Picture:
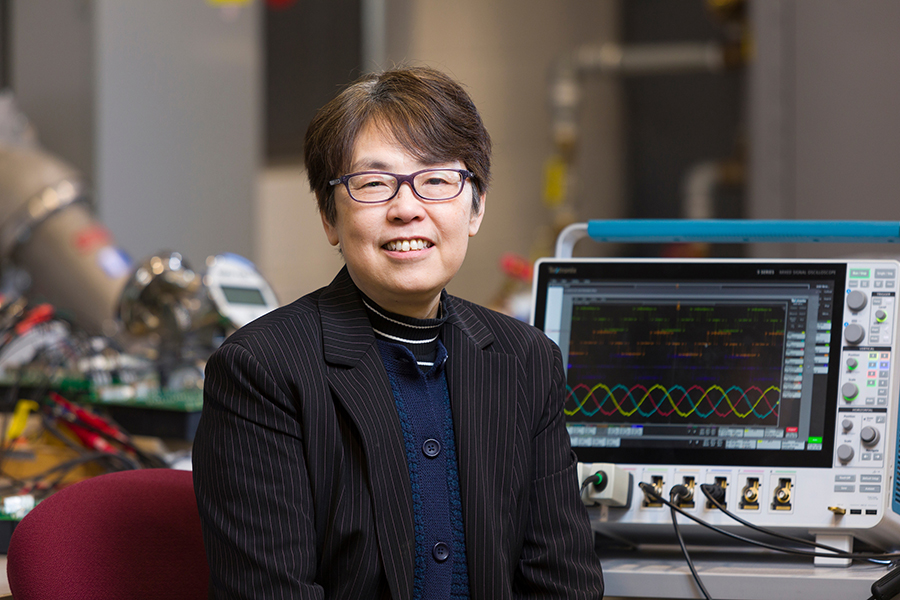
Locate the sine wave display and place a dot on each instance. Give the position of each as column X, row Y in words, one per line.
column 678, row 362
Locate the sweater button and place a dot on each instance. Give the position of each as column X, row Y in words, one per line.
column 431, row 448
column 441, row 552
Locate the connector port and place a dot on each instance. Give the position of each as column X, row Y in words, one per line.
column 750, row 495
column 781, row 497
column 658, row 483
column 718, row 492
column 687, row 500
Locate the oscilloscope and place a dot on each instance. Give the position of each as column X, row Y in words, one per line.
column 775, row 379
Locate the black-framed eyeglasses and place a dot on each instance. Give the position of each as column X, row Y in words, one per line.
column 431, row 185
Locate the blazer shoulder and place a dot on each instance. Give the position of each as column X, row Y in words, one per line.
column 510, row 334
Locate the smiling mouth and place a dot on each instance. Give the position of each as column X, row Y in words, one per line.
column 407, row 245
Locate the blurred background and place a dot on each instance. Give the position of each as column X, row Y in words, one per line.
column 187, row 117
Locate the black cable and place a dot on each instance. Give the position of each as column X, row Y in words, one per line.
column 650, row 491
column 680, row 491
column 790, row 538
column 75, row 462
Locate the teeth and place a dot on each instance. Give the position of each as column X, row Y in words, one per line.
column 406, row 245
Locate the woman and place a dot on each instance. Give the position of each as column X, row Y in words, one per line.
column 379, row 438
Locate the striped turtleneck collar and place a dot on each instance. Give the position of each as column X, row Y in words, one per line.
column 420, row 336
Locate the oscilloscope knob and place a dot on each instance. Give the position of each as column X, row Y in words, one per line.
column 849, row 391
column 854, row 334
column 856, row 300
column 845, row 453
column 869, row 436
column 846, row 425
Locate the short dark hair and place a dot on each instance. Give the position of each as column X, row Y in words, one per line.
column 426, row 111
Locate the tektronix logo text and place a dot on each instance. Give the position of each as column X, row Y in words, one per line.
column 562, row 270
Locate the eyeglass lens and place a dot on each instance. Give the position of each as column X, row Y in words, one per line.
column 430, row 185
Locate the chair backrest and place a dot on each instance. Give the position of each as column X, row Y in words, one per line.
column 130, row 534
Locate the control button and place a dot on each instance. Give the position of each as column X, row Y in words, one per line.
column 440, row 552
column 870, row 489
column 846, row 424
column 852, row 363
column 880, row 316
column 889, row 284
column 880, row 419
column 868, row 478
column 869, row 435
column 845, row 453
column 431, row 448
column 878, row 284
column 854, row 333
column 849, row 391
column 877, row 456
column 854, row 283
column 846, row 478
column 864, row 283
column 844, row 488
column 856, row 300
column 866, row 456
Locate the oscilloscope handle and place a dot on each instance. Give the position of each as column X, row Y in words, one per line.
column 726, row 231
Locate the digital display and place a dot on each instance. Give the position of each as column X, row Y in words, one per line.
column 242, row 295
column 696, row 363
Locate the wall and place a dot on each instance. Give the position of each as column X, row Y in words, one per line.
column 825, row 129
column 503, row 52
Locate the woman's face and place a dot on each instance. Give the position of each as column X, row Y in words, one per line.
column 407, row 282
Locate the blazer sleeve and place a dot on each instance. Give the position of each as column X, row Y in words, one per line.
column 251, row 483
column 557, row 558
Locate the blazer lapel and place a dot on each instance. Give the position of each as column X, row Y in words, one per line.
column 360, row 384
column 482, row 396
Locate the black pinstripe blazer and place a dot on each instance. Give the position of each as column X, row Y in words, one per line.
column 301, row 474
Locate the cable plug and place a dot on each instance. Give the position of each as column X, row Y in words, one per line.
column 888, row 587
column 713, row 492
column 680, row 493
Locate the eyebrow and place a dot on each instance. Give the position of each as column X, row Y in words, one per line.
column 368, row 165
column 373, row 164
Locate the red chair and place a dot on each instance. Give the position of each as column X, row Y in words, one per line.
column 130, row 534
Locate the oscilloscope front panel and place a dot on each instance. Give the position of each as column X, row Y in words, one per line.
column 774, row 379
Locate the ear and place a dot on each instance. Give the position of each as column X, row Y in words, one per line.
column 330, row 230
column 475, row 218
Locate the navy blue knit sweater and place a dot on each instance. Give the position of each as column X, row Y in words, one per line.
column 423, row 405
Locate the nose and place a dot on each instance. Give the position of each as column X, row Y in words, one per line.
column 405, row 206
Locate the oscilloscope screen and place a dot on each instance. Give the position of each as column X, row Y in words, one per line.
column 679, row 363
column 696, row 363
